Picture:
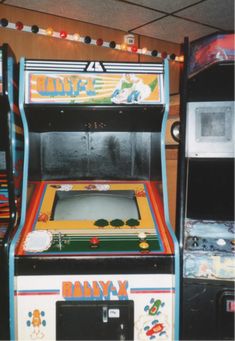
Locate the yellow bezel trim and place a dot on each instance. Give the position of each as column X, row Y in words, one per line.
column 146, row 221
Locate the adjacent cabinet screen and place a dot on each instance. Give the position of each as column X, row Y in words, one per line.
column 214, row 124
column 210, row 129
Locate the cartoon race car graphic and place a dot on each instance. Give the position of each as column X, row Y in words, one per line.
column 153, row 324
column 157, row 328
column 131, row 89
column 36, row 322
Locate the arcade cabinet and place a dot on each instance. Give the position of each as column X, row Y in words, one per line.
column 206, row 190
column 96, row 258
column 11, row 162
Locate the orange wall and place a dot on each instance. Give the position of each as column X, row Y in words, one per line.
column 31, row 45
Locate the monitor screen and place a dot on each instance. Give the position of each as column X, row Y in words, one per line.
column 94, row 205
column 213, row 123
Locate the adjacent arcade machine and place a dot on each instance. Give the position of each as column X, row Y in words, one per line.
column 96, row 258
column 11, row 163
column 206, row 190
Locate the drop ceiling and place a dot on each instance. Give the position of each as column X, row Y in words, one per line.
column 169, row 20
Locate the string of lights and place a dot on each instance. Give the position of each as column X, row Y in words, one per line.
column 76, row 37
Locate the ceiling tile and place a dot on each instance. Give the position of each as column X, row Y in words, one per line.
column 168, row 6
column 108, row 13
column 217, row 13
column 128, row 15
column 174, row 30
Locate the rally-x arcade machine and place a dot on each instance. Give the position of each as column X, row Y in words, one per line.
column 11, row 169
column 206, row 190
column 96, row 258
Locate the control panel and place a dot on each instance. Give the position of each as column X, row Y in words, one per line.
column 98, row 243
column 195, row 243
column 209, row 249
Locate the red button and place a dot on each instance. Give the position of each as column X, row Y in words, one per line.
column 94, row 241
